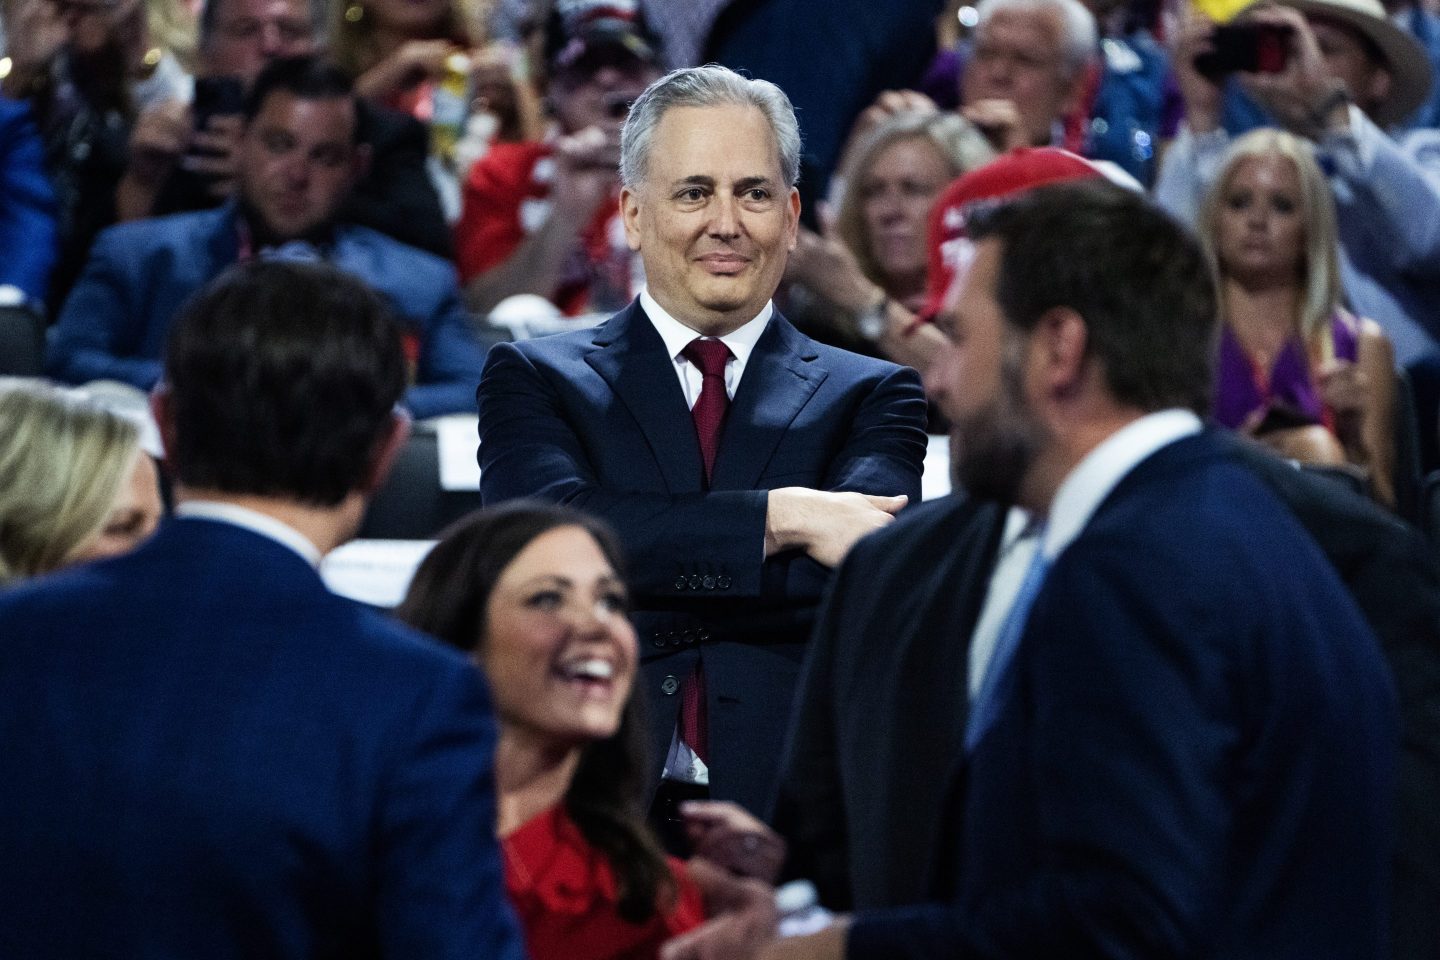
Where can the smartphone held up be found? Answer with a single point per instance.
(1246, 47)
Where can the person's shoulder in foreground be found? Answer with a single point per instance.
(235, 760)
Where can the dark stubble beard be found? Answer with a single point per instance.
(991, 451)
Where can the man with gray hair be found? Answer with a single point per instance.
(738, 459)
(1027, 69)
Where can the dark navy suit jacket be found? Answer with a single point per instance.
(597, 419)
(1198, 756)
(208, 755)
(115, 322)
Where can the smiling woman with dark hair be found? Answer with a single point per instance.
(533, 592)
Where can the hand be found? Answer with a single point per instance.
(587, 170)
(1295, 95)
(412, 62)
(824, 524)
(161, 136)
(829, 269)
(213, 153)
(1203, 97)
(890, 103)
(36, 32)
(743, 917)
(726, 834)
(998, 120)
(1345, 389)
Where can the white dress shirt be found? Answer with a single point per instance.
(677, 337)
(1075, 502)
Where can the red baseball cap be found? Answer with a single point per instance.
(1009, 174)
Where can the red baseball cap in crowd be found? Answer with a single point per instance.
(1011, 173)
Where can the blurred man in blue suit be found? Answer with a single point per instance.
(209, 755)
(298, 159)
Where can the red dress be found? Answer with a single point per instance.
(563, 891)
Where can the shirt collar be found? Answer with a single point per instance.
(254, 521)
(1102, 469)
(677, 336)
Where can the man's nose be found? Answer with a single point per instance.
(272, 42)
(725, 217)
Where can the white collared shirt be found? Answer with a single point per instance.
(1102, 469)
(1018, 543)
(254, 521)
(677, 337)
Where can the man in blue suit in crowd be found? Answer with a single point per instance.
(207, 754)
(298, 159)
(1183, 741)
(733, 510)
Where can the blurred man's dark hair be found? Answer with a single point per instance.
(283, 380)
(306, 78)
(1138, 279)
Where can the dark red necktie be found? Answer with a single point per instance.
(709, 357)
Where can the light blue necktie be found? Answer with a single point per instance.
(995, 688)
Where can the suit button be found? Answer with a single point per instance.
(689, 636)
(704, 635)
(694, 581)
(669, 685)
(709, 583)
(723, 582)
(681, 583)
(658, 639)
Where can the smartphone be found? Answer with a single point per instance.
(1246, 48)
(1282, 416)
(216, 96)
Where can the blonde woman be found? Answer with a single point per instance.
(1295, 368)
(74, 483)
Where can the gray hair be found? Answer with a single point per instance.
(707, 86)
(1077, 46)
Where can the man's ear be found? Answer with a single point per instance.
(1075, 88)
(1059, 347)
(794, 225)
(387, 448)
(162, 410)
(630, 216)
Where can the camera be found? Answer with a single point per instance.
(1246, 48)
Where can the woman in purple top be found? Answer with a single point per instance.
(1295, 369)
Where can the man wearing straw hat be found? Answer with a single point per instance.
(1350, 75)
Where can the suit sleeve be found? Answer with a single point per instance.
(810, 808)
(1134, 819)
(441, 882)
(99, 317)
(885, 452)
(451, 358)
(529, 449)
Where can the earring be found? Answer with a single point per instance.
(354, 13)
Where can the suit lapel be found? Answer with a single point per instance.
(780, 377)
(631, 358)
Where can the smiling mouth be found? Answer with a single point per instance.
(723, 264)
(589, 674)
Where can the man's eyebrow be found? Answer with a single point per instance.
(749, 183)
(695, 180)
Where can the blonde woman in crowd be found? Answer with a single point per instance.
(74, 483)
(1295, 368)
